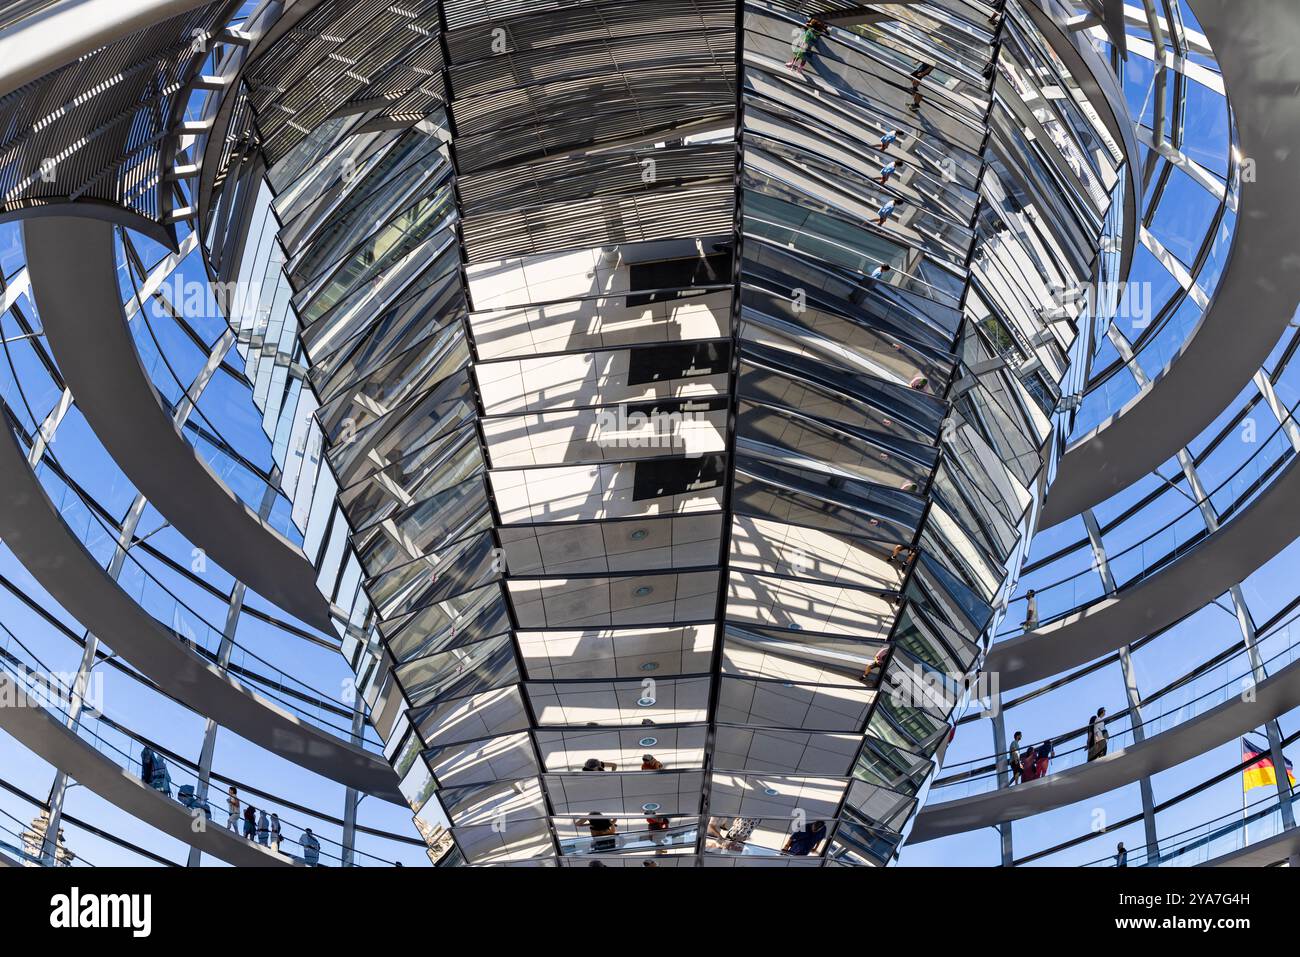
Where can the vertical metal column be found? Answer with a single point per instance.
(351, 799)
(1247, 625)
(1000, 743)
(90, 651)
(233, 610)
(1131, 692)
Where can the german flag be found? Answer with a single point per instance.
(1260, 771)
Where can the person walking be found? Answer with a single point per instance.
(804, 841)
(1013, 759)
(275, 832)
(604, 831)
(232, 806)
(1045, 754)
(250, 821)
(310, 848)
(1097, 735)
(1121, 856)
(1031, 611)
(263, 828)
(919, 74)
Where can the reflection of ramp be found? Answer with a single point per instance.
(1274, 696)
(38, 537)
(37, 729)
(88, 333)
(1261, 280)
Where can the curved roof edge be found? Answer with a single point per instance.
(38, 537)
(1226, 557)
(1260, 286)
(87, 331)
(68, 29)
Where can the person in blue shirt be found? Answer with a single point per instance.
(310, 848)
(804, 842)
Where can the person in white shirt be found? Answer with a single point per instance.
(1097, 736)
(1031, 610)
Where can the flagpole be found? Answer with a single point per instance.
(1245, 828)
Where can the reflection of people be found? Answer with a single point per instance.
(650, 763)
(870, 280)
(887, 140)
(736, 832)
(595, 764)
(901, 556)
(874, 671)
(1013, 759)
(602, 830)
(886, 211)
(1121, 855)
(886, 171)
(803, 43)
(804, 842)
(919, 74)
